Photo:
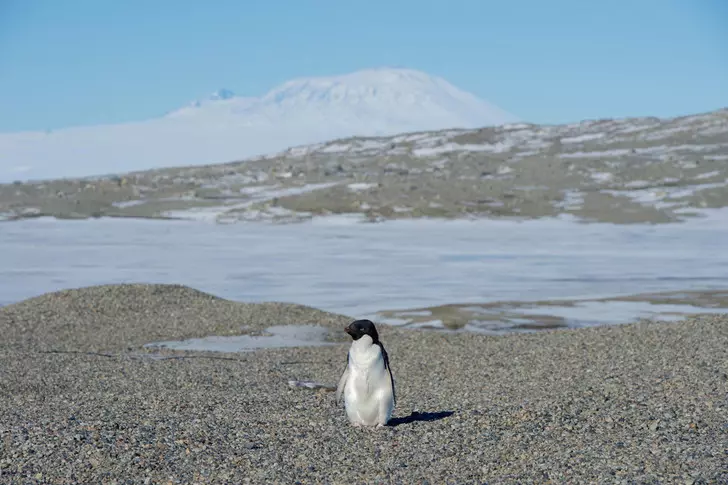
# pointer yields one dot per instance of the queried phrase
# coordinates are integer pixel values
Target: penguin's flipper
(342, 381)
(389, 371)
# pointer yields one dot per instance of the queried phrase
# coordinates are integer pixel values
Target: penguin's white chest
(368, 395)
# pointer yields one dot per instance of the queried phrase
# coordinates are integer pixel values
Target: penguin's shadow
(417, 416)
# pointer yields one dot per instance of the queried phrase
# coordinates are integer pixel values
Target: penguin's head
(358, 328)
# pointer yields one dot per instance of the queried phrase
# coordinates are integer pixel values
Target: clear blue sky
(76, 62)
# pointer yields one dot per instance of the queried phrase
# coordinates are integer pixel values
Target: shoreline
(505, 317)
(637, 402)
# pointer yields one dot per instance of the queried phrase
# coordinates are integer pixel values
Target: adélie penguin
(367, 384)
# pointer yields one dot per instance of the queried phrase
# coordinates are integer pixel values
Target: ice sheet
(342, 265)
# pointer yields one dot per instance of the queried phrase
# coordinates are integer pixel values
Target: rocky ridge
(621, 171)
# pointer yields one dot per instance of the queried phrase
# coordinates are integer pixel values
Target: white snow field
(225, 127)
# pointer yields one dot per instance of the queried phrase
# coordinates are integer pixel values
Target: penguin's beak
(348, 329)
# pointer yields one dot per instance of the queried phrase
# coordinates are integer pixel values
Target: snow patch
(618, 152)
(128, 203)
(662, 197)
(258, 195)
(582, 138)
(455, 147)
(336, 148)
(601, 176)
(357, 187)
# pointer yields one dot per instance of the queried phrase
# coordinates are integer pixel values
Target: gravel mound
(84, 402)
(118, 317)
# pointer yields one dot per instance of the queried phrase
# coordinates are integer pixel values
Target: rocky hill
(621, 171)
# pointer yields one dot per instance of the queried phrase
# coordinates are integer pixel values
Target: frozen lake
(359, 269)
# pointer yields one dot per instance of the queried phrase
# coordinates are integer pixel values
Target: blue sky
(78, 62)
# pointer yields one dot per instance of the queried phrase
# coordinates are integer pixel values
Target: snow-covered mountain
(225, 127)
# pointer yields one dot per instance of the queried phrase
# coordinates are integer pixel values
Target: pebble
(578, 406)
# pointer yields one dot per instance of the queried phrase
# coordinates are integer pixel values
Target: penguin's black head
(358, 328)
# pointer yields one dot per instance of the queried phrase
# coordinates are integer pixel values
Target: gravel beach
(83, 401)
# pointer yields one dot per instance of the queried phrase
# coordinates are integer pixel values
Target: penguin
(367, 384)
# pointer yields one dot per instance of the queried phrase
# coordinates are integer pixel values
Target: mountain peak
(366, 82)
(422, 100)
(223, 127)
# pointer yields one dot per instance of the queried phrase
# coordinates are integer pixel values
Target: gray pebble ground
(84, 402)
